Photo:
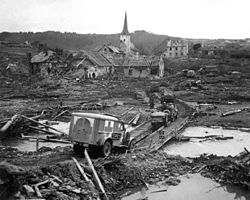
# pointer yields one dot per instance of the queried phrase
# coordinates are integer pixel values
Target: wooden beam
(90, 183)
(62, 133)
(95, 175)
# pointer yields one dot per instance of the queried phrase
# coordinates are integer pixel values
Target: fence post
(37, 144)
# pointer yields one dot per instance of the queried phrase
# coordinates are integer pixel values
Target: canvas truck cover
(82, 126)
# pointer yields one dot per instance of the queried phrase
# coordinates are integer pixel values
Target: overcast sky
(182, 18)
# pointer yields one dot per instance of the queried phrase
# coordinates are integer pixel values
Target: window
(108, 126)
(176, 54)
(130, 72)
(176, 48)
(117, 127)
(170, 54)
(170, 49)
(182, 54)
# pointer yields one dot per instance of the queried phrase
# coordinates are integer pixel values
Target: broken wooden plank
(217, 137)
(62, 133)
(60, 114)
(231, 112)
(38, 193)
(90, 183)
(80, 170)
(46, 139)
(136, 119)
(42, 130)
(246, 150)
(8, 124)
(95, 174)
(127, 111)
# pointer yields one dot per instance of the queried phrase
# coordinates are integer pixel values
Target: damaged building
(173, 48)
(90, 64)
(142, 67)
(110, 51)
(47, 63)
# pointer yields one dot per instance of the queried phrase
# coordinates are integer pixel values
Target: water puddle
(61, 126)
(191, 187)
(30, 145)
(196, 147)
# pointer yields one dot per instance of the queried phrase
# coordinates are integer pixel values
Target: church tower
(125, 44)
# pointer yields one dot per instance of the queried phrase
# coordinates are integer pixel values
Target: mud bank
(192, 186)
(118, 173)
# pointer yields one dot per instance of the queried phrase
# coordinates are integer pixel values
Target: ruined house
(90, 64)
(110, 50)
(171, 48)
(46, 63)
(142, 67)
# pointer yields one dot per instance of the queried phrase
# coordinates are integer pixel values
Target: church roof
(125, 26)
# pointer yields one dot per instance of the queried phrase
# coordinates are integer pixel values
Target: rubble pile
(137, 169)
(57, 177)
(51, 173)
(227, 170)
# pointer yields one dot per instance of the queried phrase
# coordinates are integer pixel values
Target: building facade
(175, 49)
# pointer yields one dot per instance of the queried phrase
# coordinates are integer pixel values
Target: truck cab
(97, 132)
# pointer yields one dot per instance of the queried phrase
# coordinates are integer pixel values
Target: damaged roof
(42, 57)
(134, 62)
(111, 48)
(94, 56)
(114, 49)
(98, 58)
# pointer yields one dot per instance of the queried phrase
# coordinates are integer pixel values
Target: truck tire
(106, 148)
(78, 150)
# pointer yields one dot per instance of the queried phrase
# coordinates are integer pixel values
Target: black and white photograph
(124, 100)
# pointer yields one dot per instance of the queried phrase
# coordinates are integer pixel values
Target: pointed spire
(125, 26)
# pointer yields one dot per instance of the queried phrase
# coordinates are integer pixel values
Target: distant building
(90, 64)
(142, 67)
(110, 51)
(175, 49)
(46, 63)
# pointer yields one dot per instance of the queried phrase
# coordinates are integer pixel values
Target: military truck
(166, 115)
(98, 132)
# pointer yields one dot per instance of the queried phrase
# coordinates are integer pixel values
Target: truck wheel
(78, 149)
(106, 149)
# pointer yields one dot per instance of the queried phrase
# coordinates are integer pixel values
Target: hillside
(143, 40)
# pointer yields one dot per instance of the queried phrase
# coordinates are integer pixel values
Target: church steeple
(125, 44)
(125, 26)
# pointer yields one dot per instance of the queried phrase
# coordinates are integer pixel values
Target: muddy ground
(216, 94)
(118, 173)
(222, 88)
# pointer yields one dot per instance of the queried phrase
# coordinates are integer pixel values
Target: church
(125, 43)
(126, 48)
(124, 60)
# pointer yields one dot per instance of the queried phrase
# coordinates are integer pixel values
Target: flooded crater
(195, 147)
(191, 187)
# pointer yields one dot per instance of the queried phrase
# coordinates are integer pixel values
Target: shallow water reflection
(196, 147)
(193, 187)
